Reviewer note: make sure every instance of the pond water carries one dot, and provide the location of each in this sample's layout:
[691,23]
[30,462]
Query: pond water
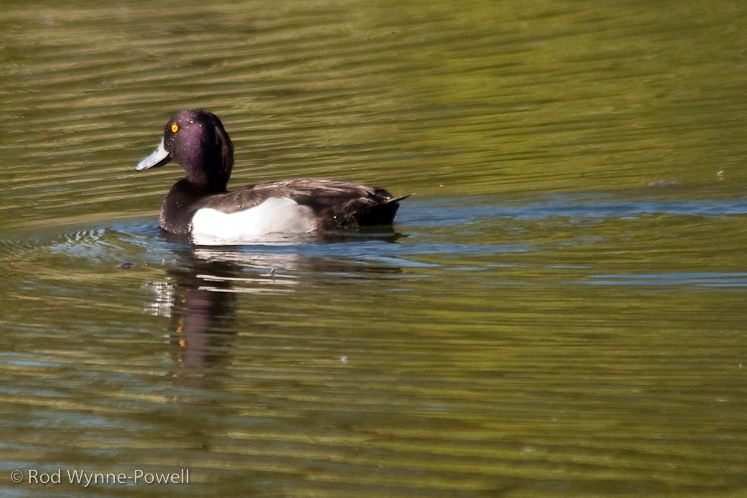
[559,311]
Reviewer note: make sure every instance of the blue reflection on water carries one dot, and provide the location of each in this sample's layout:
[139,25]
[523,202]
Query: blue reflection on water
[449,212]
[443,228]
[698,279]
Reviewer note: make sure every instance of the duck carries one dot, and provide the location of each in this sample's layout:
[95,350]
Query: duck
[200,205]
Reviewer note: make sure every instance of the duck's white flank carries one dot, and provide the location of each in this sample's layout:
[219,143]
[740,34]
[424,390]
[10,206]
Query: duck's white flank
[274,216]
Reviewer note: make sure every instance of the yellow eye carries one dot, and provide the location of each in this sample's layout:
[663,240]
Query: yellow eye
[174,127]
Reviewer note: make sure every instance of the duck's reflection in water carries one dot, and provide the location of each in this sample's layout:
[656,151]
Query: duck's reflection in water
[204,301]
[201,297]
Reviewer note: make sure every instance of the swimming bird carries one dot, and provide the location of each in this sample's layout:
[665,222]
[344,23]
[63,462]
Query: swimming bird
[200,205]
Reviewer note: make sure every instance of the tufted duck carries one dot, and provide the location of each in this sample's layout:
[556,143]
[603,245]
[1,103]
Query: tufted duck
[200,205]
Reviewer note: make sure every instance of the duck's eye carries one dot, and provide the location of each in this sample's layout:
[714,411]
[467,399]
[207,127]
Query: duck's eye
[174,127]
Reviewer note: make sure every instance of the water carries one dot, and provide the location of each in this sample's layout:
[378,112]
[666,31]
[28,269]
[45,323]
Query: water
[558,311]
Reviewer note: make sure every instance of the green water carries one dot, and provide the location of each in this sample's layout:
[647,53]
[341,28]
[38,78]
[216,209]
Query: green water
[558,312]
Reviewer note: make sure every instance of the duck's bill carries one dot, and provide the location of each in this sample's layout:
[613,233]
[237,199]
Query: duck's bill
[158,158]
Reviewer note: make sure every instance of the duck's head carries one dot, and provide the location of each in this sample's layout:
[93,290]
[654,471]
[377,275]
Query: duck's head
[195,140]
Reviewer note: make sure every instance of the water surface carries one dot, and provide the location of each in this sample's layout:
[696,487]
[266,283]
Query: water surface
[558,311]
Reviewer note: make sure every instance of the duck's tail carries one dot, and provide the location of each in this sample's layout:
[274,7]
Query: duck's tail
[400,198]
[381,212]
